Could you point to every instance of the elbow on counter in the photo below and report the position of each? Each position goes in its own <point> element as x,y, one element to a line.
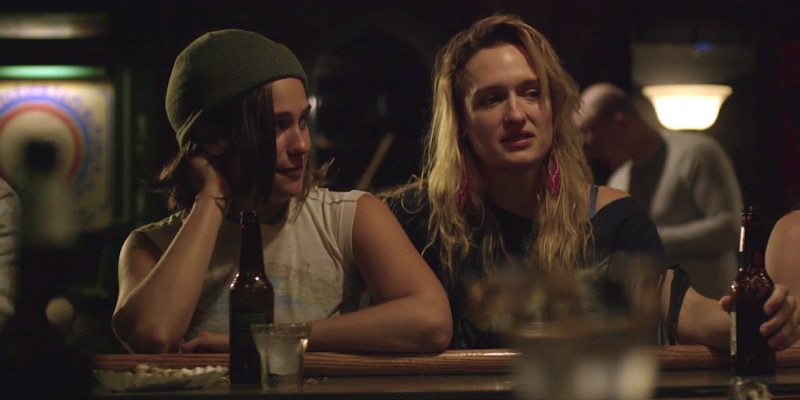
<point>139,338</point>
<point>436,332</point>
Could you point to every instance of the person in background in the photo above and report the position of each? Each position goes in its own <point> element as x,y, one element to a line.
<point>685,182</point>
<point>9,228</point>
<point>237,102</point>
<point>506,186</point>
<point>782,256</point>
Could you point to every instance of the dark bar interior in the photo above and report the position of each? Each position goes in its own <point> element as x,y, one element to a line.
<point>369,66</point>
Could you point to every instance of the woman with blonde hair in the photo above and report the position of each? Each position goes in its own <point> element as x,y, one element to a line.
<point>506,182</point>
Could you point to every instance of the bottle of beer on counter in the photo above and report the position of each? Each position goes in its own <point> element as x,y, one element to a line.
<point>750,351</point>
<point>252,300</point>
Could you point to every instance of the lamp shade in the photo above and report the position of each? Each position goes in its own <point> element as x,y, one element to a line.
<point>687,107</point>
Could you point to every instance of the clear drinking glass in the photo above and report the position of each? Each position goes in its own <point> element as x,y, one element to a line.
<point>745,389</point>
<point>586,333</point>
<point>281,347</point>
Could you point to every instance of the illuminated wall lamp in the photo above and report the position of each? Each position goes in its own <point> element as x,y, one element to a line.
<point>687,107</point>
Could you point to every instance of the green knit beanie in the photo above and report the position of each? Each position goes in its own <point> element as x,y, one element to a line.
<point>221,66</point>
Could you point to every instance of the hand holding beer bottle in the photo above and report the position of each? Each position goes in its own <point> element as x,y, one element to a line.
<point>751,353</point>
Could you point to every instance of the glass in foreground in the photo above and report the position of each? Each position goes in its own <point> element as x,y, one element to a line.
<point>281,347</point>
<point>583,333</point>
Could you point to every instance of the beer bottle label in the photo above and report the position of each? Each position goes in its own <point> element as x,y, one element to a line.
<point>733,333</point>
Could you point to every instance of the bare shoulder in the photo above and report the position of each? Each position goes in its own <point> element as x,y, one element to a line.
<point>374,218</point>
<point>137,239</point>
<point>138,245</point>
<point>371,213</point>
<point>788,226</point>
<point>370,202</point>
<point>607,195</point>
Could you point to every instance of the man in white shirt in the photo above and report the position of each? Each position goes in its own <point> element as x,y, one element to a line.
<point>685,181</point>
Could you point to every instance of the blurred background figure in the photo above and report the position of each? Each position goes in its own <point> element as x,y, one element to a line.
<point>685,181</point>
<point>9,225</point>
<point>35,340</point>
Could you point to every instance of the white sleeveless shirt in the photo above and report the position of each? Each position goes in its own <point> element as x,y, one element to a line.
<point>308,259</point>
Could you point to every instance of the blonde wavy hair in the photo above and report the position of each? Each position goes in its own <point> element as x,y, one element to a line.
<point>563,227</point>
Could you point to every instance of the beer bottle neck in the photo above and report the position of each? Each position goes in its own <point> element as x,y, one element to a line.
<point>751,247</point>
<point>251,257</point>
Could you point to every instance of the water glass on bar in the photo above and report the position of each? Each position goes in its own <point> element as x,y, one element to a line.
<point>586,333</point>
<point>281,347</point>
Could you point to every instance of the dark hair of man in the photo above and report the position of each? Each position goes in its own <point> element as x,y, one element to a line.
<point>613,101</point>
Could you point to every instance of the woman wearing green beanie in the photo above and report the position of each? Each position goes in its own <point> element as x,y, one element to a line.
<point>238,105</point>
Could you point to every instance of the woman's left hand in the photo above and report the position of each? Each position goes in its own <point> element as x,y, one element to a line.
<point>782,326</point>
<point>207,342</point>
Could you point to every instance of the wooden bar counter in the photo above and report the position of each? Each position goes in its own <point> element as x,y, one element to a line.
<point>450,362</point>
<point>686,372</point>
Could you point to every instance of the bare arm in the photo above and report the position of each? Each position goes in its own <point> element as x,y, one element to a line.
<point>707,321</point>
<point>716,192</point>
<point>704,321</point>
<point>412,313</point>
<point>783,252</point>
<point>700,321</point>
<point>158,292</point>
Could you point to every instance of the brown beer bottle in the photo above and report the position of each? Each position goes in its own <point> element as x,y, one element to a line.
<point>251,300</point>
<point>750,351</point>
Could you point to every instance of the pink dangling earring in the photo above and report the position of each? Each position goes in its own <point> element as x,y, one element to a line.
<point>463,187</point>
<point>554,176</point>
